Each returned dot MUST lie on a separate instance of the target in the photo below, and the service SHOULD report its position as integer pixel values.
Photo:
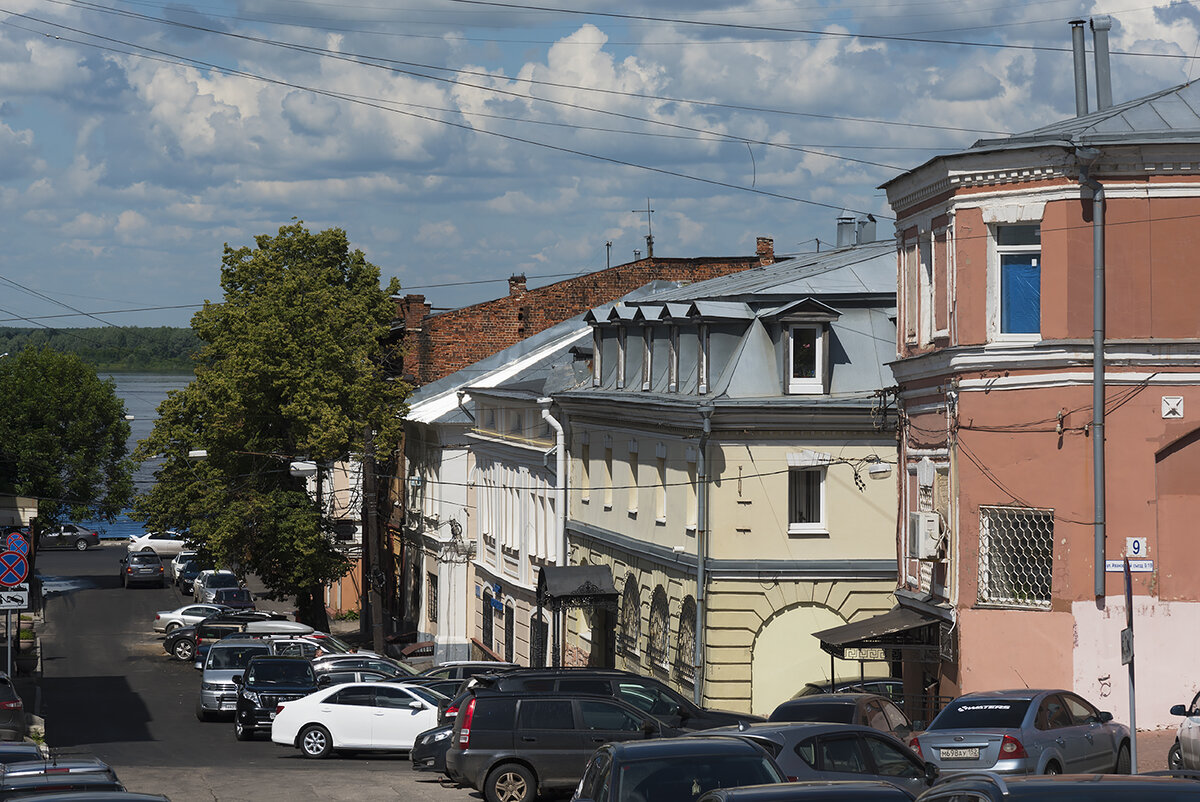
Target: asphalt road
(109, 689)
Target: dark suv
(515, 746)
(266, 682)
(645, 693)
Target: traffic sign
(14, 568)
(14, 598)
(16, 542)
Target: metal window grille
(631, 617)
(1016, 556)
(687, 641)
(659, 628)
(433, 598)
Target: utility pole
(373, 576)
(649, 229)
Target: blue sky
(459, 143)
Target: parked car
(234, 598)
(208, 582)
(185, 578)
(224, 661)
(992, 787)
(429, 749)
(26, 785)
(812, 791)
(346, 662)
(867, 709)
(816, 751)
(68, 536)
(515, 746)
(670, 770)
(266, 683)
(1024, 732)
(179, 561)
(447, 687)
(185, 616)
(164, 544)
(646, 693)
(1185, 752)
(70, 764)
(20, 751)
(249, 624)
(461, 669)
(357, 716)
(92, 796)
(142, 568)
(891, 687)
(182, 642)
(13, 724)
(340, 677)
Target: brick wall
(436, 345)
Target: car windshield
(429, 695)
(818, 711)
(976, 714)
(687, 777)
(238, 657)
(233, 594)
(298, 672)
(222, 581)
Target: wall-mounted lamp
(879, 470)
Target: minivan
(225, 660)
(542, 743)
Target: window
(841, 753)
(660, 492)
(545, 714)
(647, 349)
(702, 367)
(597, 343)
(354, 697)
(892, 760)
(806, 357)
(660, 628)
(1016, 557)
(631, 616)
(1019, 255)
(673, 361)
(607, 716)
(806, 491)
(685, 650)
(433, 597)
(621, 335)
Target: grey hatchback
(1024, 732)
(143, 568)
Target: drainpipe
(560, 479)
(701, 557)
(1077, 47)
(461, 395)
(1087, 158)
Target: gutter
(560, 479)
(701, 556)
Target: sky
(460, 142)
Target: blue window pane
(1020, 294)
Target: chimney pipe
(845, 229)
(1100, 28)
(1077, 47)
(866, 229)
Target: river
(142, 393)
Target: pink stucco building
(1000, 514)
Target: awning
(562, 586)
(899, 628)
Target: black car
(430, 748)
(187, 575)
(673, 770)
(182, 643)
(812, 791)
(516, 746)
(984, 786)
(13, 724)
(867, 709)
(266, 682)
(646, 693)
(143, 568)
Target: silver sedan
(185, 616)
(1025, 732)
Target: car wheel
(81, 545)
(174, 625)
(185, 650)
(1123, 762)
(510, 782)
(242, 733)
(315, 741)
(1175, 758)
(1053, 768)
(147, 548)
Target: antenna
(649, 229)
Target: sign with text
(1136, 566)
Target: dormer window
(806, 358)
(621, 334)
(647, 349)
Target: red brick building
(436, 345)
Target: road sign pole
(1132, 696)
(9, 642)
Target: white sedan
(165, 544)
(359, 716)
(185, 616)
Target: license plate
(960, 754)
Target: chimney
(766, 251)
(1100, 28)
(636, 254)
(516, 284)
(866, 229)
(1077, 48)
(845, 229)
(413, 310)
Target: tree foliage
(117, 349)
(63, 436)
(289, 369)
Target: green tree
(289, 369)
(63, 436)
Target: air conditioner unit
(925, 536)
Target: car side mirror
(1105, 716)
(1179, 710)
(323, 680)
(415, 705)
(237, 679)
(931, 773)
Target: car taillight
(15, 704)
(915, 745)
(278, 709)
(1011, 749)
(464, 734)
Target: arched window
(660, 628)
(686, 647)
(488, 619)
(631, 615)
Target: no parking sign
(14, 568)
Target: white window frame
(820, 526)
(621, 342)
(647, 350)
(597, 341)
(673, 361)
(995, 299)
(702, 368)
(804, 385)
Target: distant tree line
(132, 349)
